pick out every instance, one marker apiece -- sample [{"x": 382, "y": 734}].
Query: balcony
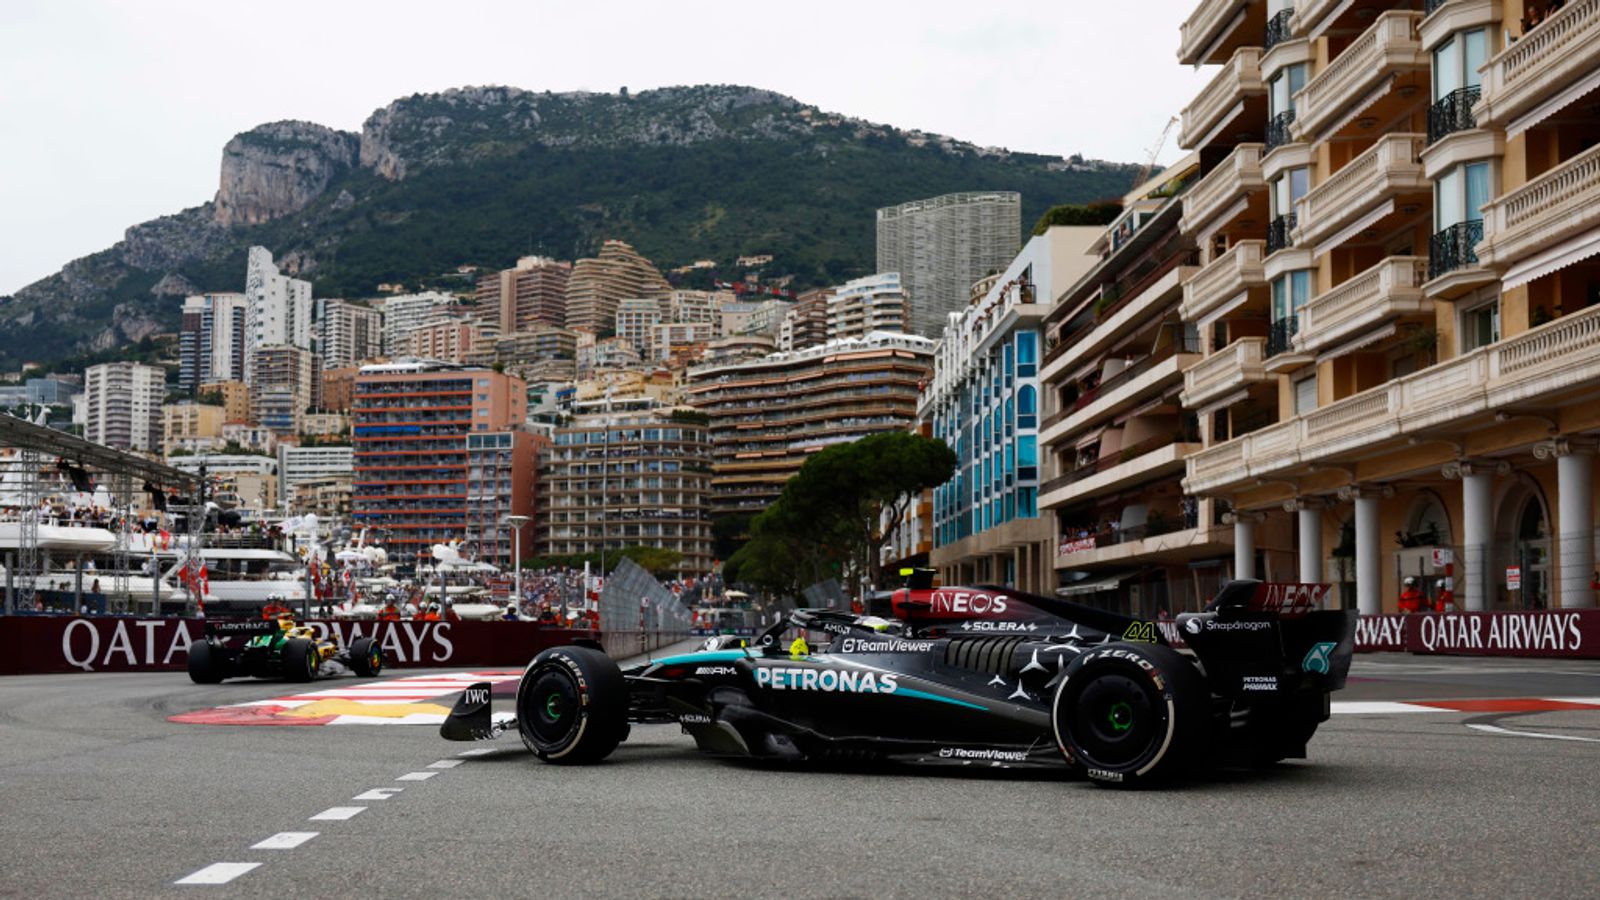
[
  {"x": 1280, "y": 130},
  {"x": 1226, "y": 279},
  {"x": 1452, "y": 249},
  {"x": 1553, "y": 64},
  {"x": 1141, "y": 380},
  {"x": 1389, "y": 290},
  {"x": 1363, "y": 191},
  {"x": 1283, "y": 354},
  {"x": 1161, "y": 458},
  {"x": 1545, "y": 365},
  {"x": 1561, "y": 205},
  {"x": 1278, "y": 29},
  {"x": 1280, "y": 233},
  {"x": 1215, "y": 29},
  {"x": 1360, "y": 75},
  {"x": 1452, "y": 113},
  {"x": 1225, "y": 100},
  {"x": 1233, "y": 368},
  {"x": 1223, "y": 192}
]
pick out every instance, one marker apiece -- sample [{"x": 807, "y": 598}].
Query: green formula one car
[{"x": 275, "y": 648}]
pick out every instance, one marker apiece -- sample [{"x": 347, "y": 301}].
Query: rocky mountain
[{"x": 481, "y": 175}]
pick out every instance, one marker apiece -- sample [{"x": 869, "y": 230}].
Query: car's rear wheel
[
  {"x": 572, "y": 705},
  {"x": 1129, "y": 714},
  {"x": 205, "y": 665},
  {"x": 300, "y": 659},
  {"x": 366, "y": 657}
]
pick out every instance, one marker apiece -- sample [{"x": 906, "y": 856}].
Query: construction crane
[{"x": 1150, "y": 157}]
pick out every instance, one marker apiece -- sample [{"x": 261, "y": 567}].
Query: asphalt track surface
[{"x": 101, "y": 795}]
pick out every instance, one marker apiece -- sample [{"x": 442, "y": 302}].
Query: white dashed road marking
[
  {"x": 445, "y": 764},
  {"x": 416, "y": 776},
  {"x": 1495, "y": 729},
  {"x": 285, "y": 840},
  {"x": 217, "y": 873},
  {"x": 481, "y": 751},
  {"x": 377, "y": 794},
  {"x": 338, "y": 813}
]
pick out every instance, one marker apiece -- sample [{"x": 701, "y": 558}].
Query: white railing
[
  {"x": 1239, "y": 76},
  {"x": 1518, "y": 75},
  {"x": 1238, "y": 173},
  {"x": 1235, "y": 365},
  {"x": 1450, "y": 392},
  {"x": 1395, "y": 281},
  {"x": 1196, "y": 33},
  {"x": 1392, "y": 161},
  {"x": 1223, "y": 278},
  {"x": 1577, "y": 179},
  {"x": 1390, "y": 43}
]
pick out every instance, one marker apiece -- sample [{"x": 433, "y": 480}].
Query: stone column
[
  {"x": 1574, "y": 520},
  {"x": 1244, "y": 543},
  {"x": 1472, "y": 577},
  {"x": 1369, "y": 564},
  {"x": 1309, "y": 513}
]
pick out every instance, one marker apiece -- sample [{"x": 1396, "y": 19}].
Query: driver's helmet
[
  {"x": 285, "y": 621},
  {"x": 1411, "y": 582}
]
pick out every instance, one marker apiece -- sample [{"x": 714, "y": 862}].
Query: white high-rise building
[
  {"x": 405, "y": 313},
  {"x": 211, "y": 340},
  {"x": 122, "y": 405},
  {"x": 278, "y": 308},
  {"x": 942, "y": 245},
  {"x": 860, "y": 307},
  {"x": 347, "y": 334}
]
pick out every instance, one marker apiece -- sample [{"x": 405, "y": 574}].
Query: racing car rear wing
[{"x": 240, "y": 627}]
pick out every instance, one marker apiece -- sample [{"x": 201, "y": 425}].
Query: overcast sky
[{"x": 116, "y": 113}]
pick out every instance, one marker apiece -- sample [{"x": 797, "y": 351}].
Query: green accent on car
[
  {"x": 1121, "y": 716},
  {"x": 550, "y": 704},
  {"x": 924, "y": 695}
]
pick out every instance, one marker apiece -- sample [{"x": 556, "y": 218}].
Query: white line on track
[
  {"x": 445, "y": 764},
  {"x": 377, "y": 794},
  {"x": 480, "y": 751},
  {"x": 338, "y": 813},
  {"x": 416, "y": 776},
  {"x": 1496, "y": 729},
  {"x": 217, "y": 873},
  {"x": 285, "y": 840}
]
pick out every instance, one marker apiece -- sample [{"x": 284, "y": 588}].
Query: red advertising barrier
[
  {"x": 37, "y": 644},
  {"x": 1560, "y": 633}
]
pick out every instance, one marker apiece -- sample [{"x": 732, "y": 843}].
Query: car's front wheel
[
  {"x": 1129, "y": 714},
  {"x": 572, "y": 705},
  {"x": 300, "y": 659}
]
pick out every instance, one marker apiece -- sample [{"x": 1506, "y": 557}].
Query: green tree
[{"x": 1100, "y": 212}]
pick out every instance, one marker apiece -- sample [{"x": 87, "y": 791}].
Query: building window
[
  {"x": 1027, "y": 354},
  {"x": 1289, "y": 295},
  {"x": 1305, "y": 395},
  {"x": 1456, "y": 62},
  {"x": 1480, "y": 325},
  {"x": 1027, "y": 408},
  {"x": 1288, "y": 189},
  {"x": 1460, "y": 195}
]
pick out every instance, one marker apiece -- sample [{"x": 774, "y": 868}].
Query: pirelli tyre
[
  {"x": 206, "y": 666},
  {"x": 300, "y": 659},
  {"x": 366, "y": 657},
  {"x": 572, "y": 705},
  {"x": 1128, "y": 714}
]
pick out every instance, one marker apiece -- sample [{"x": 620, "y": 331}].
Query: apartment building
[
  {"x": 865, "y": 305},
  {"x": 449, "y": 340},
  {"x": 234, "y": 397},
  {"x": 241, "y": 480},
  {"x": 984, "y": 401},
  {"x": 297, "y": 465},
  {"x": 606, "y": 353},
  {"x": 598, "y": 285},
  {"x": 418, "y": 477},
  {"x": 335, "y": 387},
  {"x": 636, "y": 320},
  {"x": 211, "y": 340},
  {"x": 769, "y": 414},
  {"x": 190, "y": 425},
  {"x": 532, "y": 293},
  {"x": 283, "y": 387},
  {"x": 278, "y": 309},
  {"x": 626, "y": 479},
  {"x": 1400, "y": 299},
  {"x": 941, "y": 245},
  {"x": 805, "y": 324},
  {"x": 406, "y": 313},
  {"x": 675, "y": 343},
  {"x": 122, "y": 405},
  {"x": 347, "y": 333}
]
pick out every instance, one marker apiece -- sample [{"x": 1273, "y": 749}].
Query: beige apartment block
[
  {"x": 598, "y": 285},
  {"x": 190, "y": 424},
  {"x": 1399, "y": 299}
]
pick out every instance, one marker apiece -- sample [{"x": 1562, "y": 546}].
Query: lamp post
[{"x": 516, "y": 523}]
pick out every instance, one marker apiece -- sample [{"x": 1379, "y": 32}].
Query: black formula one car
[
  {"x": 275, "y": 648},
  {"x": 965, "y": 676}
]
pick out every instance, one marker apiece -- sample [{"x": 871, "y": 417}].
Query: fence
[{"x": 638, "y": 614}]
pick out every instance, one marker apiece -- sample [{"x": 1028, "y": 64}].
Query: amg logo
[
  {"x": 868, "y": 645},
  {"x": 716, "y": 670},
  {"x": 476, "y": 696}
]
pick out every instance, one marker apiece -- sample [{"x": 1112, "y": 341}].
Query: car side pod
[{"x": 472, "y": 719}]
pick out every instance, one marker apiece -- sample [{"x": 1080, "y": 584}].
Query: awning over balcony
[
  {"x": 1560, "y": 256},
  {"x": 1093, "y": 585}
]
